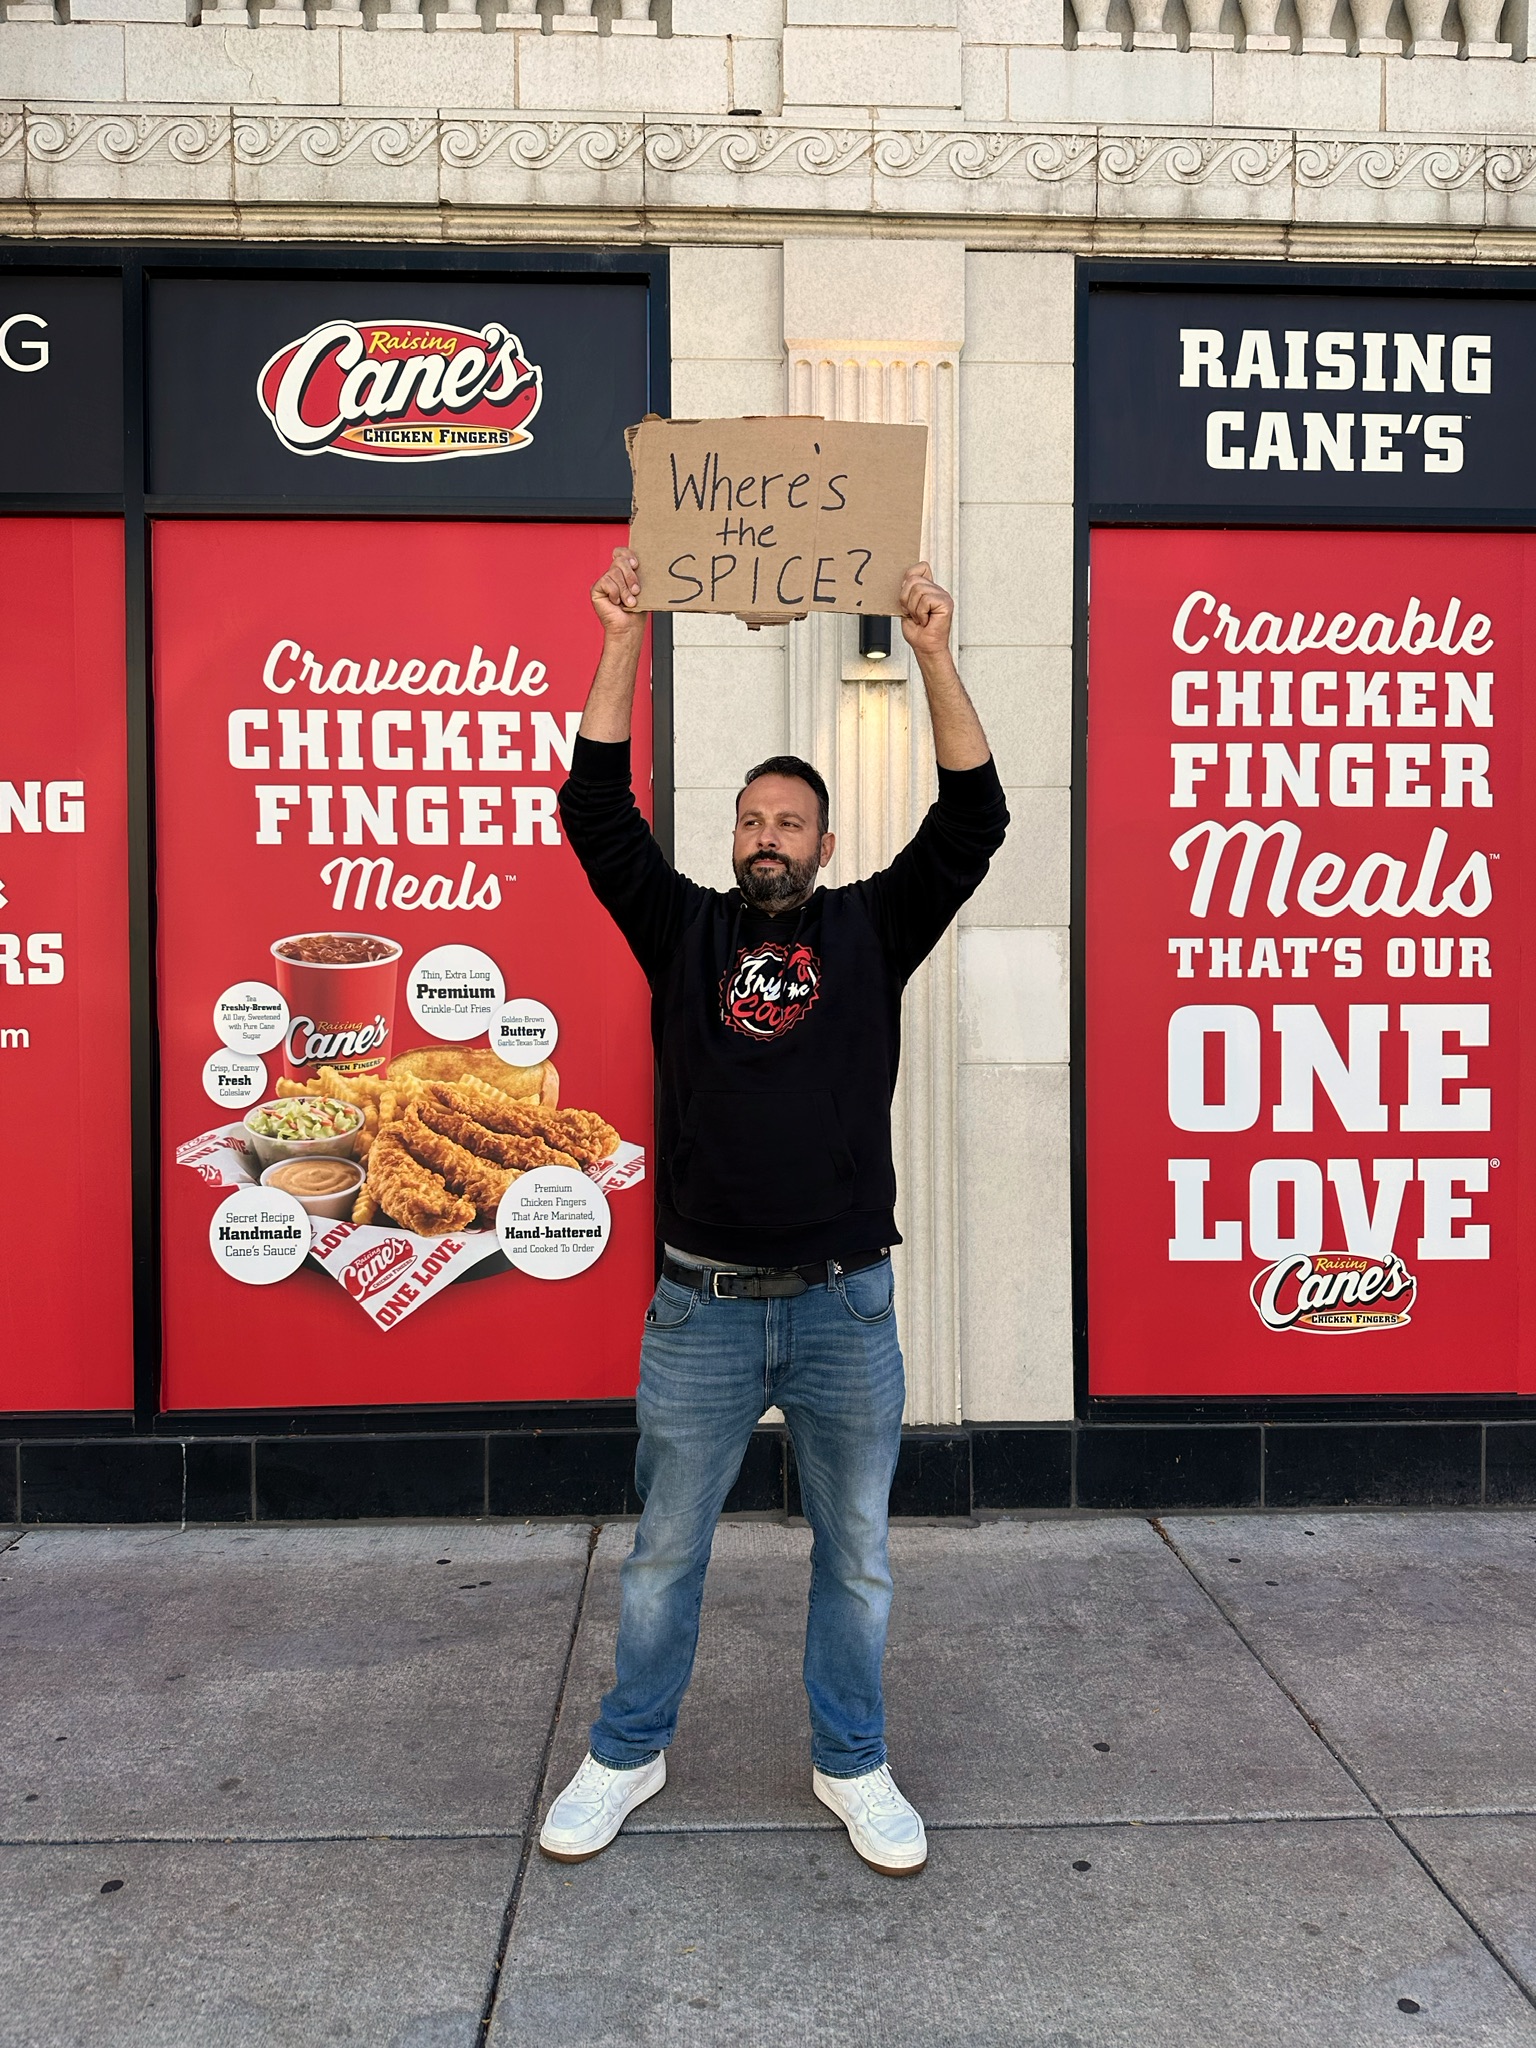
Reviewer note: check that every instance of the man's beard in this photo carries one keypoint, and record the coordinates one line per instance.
(777, 882)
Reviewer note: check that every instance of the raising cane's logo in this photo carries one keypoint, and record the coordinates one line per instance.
(401, 390)
(312, 1044)
(377, 1268)
(770, 988)
(1335, 1294)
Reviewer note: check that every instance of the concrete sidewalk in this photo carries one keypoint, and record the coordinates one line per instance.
(1222, 1782)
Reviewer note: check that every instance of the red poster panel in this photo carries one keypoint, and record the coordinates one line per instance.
(1308, 1141)
(406, 1067)
(66, 1308)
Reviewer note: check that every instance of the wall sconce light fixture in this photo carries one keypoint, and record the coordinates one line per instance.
(874, 637)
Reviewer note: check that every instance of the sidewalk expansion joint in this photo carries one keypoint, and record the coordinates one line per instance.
(536, 1801)
(1504, 1962)
(1461, 1812)
(258, 1841)
(657, 1826)
(1069, 1825)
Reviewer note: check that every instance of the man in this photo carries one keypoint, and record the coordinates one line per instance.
(776, 1016)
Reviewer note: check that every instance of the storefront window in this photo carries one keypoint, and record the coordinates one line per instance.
(1305, 1104)
(311, 1031)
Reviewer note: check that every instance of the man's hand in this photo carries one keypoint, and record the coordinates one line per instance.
(926, 612)
(616, 597)
(616, 600)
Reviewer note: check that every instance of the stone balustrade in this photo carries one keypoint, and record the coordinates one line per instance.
(1327, 28)
(1335, 28)
(632, 18)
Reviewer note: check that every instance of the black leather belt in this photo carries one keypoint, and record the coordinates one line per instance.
(773, 1283)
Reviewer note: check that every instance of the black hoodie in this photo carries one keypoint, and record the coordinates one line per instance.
(777, 1038)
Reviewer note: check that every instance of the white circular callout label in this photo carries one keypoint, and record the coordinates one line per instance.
(523, 1032)
(250, 1017)
(235, 1079)
(454, 991)
(553, 1223)
(259, 1235)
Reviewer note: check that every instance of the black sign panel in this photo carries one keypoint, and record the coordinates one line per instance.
(61, 385)
(387, 394)
(1345, 405)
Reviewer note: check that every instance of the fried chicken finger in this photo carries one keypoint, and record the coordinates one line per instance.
(518, 1152)
(416, 1198)
(477, 1180)
(580, 1132)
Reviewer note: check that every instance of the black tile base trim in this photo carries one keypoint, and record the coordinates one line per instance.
(1021, 1467)
(349, 1479)
(220, 1482)
(1154, 1469)
(99, 1480)
(1510, 1464)
(1421, 1465)
(586, 1473)
(933, 1474)
(556, 1472)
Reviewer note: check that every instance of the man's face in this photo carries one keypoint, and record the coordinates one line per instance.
(778, 847)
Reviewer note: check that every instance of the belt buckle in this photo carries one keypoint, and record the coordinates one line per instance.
(719, 1274)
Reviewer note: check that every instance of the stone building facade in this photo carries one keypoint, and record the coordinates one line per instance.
(874, 209)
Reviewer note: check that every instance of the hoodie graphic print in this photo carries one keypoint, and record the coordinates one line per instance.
(769, 987)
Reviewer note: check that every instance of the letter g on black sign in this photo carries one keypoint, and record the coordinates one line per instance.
(20, 347)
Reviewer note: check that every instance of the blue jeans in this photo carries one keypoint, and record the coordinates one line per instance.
(708, 1368)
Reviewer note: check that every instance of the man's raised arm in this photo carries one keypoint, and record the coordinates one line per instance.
(927, 613)
(915, 898)
(611, 699)
(630, 875)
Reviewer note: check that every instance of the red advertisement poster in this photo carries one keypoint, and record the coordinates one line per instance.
(66, 1311)
(406, 1066)
(1307, 1135)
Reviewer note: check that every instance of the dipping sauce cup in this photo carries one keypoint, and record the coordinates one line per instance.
(322, 1187)
(340, 992)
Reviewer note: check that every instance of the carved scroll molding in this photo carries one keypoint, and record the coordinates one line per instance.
(873, 740)
(656, 158)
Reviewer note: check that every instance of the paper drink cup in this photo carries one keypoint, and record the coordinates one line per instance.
(340, 1009)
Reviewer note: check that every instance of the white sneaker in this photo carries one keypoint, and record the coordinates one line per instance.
(885, 1829)
(595, 1805)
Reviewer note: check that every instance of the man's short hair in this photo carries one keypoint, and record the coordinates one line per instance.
(802, 771)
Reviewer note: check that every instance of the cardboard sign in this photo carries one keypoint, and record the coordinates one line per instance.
(775, 518)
